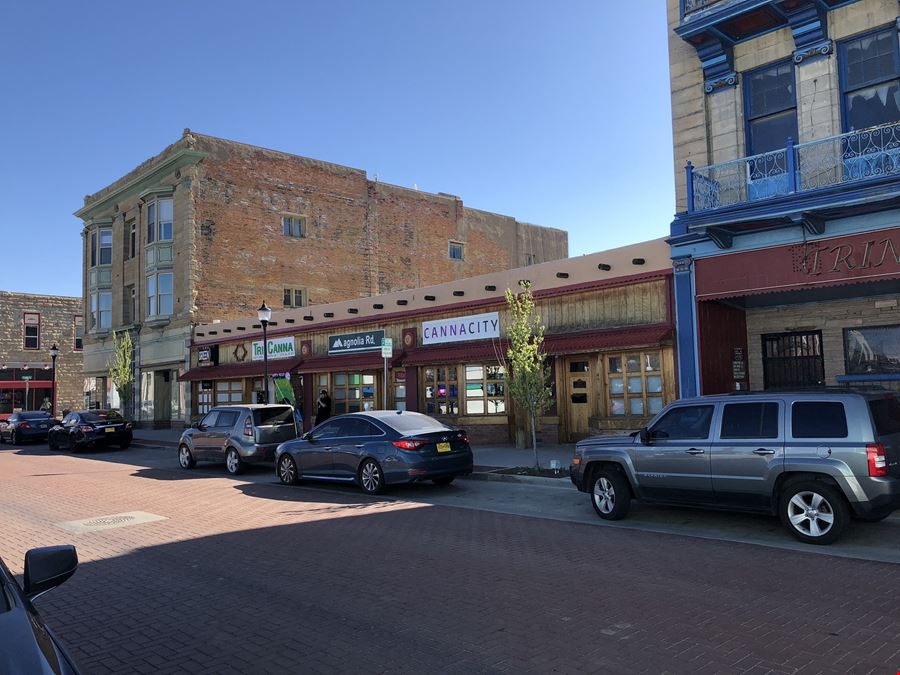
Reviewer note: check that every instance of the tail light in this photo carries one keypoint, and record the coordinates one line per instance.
(248, 427)
(24, 425)
(464, 437)
(127, 425)
(877, 460)
(86, 429)
(409, 443)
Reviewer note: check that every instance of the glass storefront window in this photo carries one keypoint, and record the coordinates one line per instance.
(485, 390)
(352, 392)
(637, 391)
(441, 390)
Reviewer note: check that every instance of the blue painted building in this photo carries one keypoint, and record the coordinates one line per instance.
(786, 240)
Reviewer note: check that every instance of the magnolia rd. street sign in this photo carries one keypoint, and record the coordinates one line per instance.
(27, 377)
(349, 343)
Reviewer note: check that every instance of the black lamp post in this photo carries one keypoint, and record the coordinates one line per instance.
(54, 352)
(265, 314)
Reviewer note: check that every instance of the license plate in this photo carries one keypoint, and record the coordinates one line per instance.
(109, 430)
(443, 447)
(43, 426)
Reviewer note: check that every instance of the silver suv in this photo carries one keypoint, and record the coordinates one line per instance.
(237, 435)
(816, 459)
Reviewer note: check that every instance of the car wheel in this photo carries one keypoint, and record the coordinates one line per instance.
(287, 470)
(125, 445)
(610, 495)
(185, 458)
(371, 479)
(233, 463)
(51, 443)
(13, 438)
(813, 511)
(443, 480)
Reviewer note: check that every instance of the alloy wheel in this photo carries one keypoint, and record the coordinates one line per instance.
(184, 457)
(604, 495)
(287, 472)
(232, 461)
(370, 477)
(810, 513)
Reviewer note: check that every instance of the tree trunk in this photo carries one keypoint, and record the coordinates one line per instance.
(537, 463)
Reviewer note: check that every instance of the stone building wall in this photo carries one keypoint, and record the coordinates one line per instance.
(57, 325)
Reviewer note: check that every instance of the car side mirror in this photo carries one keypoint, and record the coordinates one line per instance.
(47, 567)
(644, 435)
(307, 437)
(195, 425)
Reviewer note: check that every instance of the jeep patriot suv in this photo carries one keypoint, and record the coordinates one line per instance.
(815, 459)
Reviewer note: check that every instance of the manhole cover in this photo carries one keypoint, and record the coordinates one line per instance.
(109, 522)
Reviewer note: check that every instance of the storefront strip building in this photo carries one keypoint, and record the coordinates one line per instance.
(609, 332)
(786, 245)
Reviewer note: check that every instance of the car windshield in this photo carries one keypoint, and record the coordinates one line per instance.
(886, 414)
(271, 417)
(36, 415)
(409, 423)
(101, 416)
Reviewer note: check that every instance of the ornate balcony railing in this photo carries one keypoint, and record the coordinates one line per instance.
(854, 157)
(697, 5)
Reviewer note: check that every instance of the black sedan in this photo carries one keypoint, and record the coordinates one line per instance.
(29, 425)
(90, 429)
(26, 644)
(375, 449)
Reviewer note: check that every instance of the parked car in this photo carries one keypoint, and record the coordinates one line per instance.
(375, 449)
(815, 459)
(237, 435)
(90, 429)
(28, 425)
(26, 644)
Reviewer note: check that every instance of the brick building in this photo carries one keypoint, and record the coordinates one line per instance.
(29, 326)
(609, 324)
(786, 245)
(210, 228)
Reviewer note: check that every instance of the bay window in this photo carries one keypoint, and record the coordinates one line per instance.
(159, 294)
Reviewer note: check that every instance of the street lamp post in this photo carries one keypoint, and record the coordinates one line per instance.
(54, 352)
(265, 314)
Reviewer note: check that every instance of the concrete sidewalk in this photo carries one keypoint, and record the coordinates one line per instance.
(493, 456)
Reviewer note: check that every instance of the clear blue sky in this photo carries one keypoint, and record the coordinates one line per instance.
(555, 113)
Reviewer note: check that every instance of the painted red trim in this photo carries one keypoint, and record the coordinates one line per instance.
(238, 370)
(298, 329)
(21, 384)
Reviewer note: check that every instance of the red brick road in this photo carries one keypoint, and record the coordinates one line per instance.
(244, 577)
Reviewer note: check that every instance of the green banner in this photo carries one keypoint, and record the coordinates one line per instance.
(283, 390)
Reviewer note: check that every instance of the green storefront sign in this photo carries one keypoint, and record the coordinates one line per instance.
(370, 341)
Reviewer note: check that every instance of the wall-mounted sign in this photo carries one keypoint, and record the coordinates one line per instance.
(370, 341)
(460, 329)
(279, 348)
(208, 356)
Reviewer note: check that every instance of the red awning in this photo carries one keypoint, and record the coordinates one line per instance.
(457, 352)
(229, 371)
(357, 362)
(611, 338)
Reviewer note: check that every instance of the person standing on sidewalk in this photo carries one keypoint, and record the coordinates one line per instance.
(323, 407)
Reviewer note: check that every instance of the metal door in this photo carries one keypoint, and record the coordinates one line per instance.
(793, 360)
(675, 465)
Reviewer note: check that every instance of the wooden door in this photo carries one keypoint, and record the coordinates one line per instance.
(579, 396)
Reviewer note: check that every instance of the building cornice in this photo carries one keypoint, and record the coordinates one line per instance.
(149, 178)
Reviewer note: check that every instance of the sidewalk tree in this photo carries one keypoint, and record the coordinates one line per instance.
(527, 370)
(121, 367)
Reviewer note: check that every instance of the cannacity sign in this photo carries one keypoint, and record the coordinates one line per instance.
(460, 329)
(279, 348)
(370, 341)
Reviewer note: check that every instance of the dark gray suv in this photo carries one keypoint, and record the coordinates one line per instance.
(237, 435)
(815, 459)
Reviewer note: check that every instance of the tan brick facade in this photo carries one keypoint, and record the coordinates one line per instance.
(831, 318)
(228, 251)
(55, 322)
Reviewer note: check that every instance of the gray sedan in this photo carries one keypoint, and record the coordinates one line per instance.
(375, 449)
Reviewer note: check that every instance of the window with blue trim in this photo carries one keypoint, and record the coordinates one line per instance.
(771, 107)
(870, 79)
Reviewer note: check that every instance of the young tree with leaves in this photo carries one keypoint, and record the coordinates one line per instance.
(120, 366)
(527, 370)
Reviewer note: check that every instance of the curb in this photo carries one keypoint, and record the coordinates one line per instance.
(148, 443)
(561, 482)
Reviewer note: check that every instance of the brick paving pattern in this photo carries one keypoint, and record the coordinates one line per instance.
(251, 578)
